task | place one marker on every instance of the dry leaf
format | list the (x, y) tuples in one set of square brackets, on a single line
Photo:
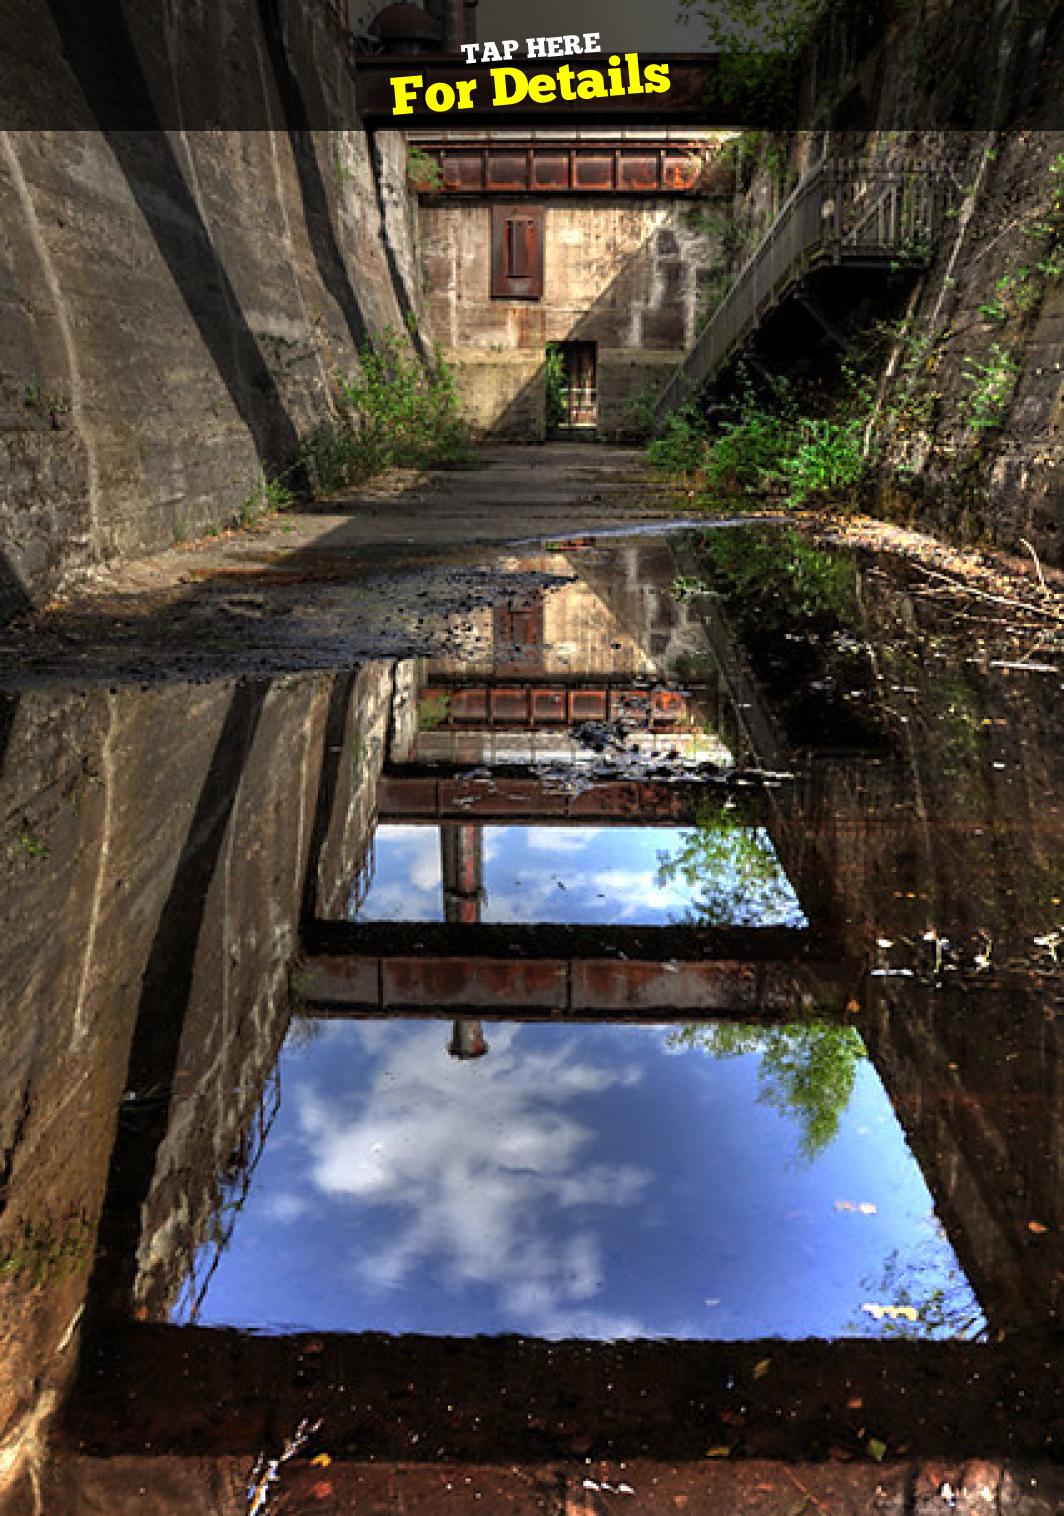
[(761, 1367)]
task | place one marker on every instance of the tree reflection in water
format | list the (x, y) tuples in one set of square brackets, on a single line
[(807, 1070), (934, 1297), (733, 874)]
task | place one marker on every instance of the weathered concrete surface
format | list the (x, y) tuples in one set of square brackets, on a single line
[(175, 305), (626, 274), (154, 852), (386, 572)]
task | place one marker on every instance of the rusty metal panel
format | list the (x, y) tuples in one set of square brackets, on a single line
[(638, 171), (463, 171), (510, 705), (680, 171), (517, 252), (592, 171), (507, 171), (549, 707), (466, 705), (550, 170), (589, 705)]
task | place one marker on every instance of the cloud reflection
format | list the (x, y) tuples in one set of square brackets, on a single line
[(504, 1203)]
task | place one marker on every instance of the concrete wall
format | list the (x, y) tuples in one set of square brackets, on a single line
[(623, 273), (155, 849), (996, 67), (986, 315), (174, 303)]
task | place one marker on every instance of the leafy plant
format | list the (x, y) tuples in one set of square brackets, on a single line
[(32, 845), (423, 172), (48, 403), (680, 450), (757, 47), (395, 413), (808, 1070), (731, 869), (268, 496), (991, 387), (555, 371), (827, 461), (769, 446)]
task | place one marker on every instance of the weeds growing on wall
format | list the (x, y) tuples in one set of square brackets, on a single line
[(395, 413)]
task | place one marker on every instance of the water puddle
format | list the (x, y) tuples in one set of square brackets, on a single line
[(650, 950), (720, 874), (596, 1182)]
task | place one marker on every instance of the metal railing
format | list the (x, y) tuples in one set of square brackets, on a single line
[(842, 212)]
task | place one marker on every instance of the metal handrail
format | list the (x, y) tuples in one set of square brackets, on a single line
[(840, 212)]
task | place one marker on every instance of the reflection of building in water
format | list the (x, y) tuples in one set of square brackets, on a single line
[(566, 673), (143, 1037), (467, 1039), (616, 617)]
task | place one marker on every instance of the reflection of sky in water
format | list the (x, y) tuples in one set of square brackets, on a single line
[(576, 1181), (578, 875)]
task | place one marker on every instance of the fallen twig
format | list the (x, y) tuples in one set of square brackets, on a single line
[(1037, 564), (960, 588)]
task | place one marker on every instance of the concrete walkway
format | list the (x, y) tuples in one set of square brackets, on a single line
[(384, 572)]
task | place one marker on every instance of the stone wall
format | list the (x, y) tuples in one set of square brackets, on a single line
[(175, 303), (625, 274)]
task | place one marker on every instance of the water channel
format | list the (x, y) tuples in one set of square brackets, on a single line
[(634, 1031)]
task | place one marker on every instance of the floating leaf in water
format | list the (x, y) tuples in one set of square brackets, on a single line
[(722, 1450), (761, 1367), (876, 1449), (1037, 1227), (891, 1312)]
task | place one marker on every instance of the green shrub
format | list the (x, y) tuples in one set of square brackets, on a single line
[(750, 453), (991, 387), (395, 413), (680, 451), (770, 447), (827, 460)]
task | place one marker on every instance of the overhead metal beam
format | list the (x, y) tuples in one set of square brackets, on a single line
[(545, 972)]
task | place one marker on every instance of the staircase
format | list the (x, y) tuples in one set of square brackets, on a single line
[(844, 214)]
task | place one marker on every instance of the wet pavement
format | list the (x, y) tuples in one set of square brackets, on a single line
[(591, 1042)]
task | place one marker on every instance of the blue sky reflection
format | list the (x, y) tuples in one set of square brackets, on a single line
[(579, 875), (577, 1181)]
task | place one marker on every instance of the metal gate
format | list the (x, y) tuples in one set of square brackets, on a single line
[(572, 377)]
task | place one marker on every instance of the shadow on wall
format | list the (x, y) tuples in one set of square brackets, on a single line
[(125, 77), (639, 323), (100, 51)]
